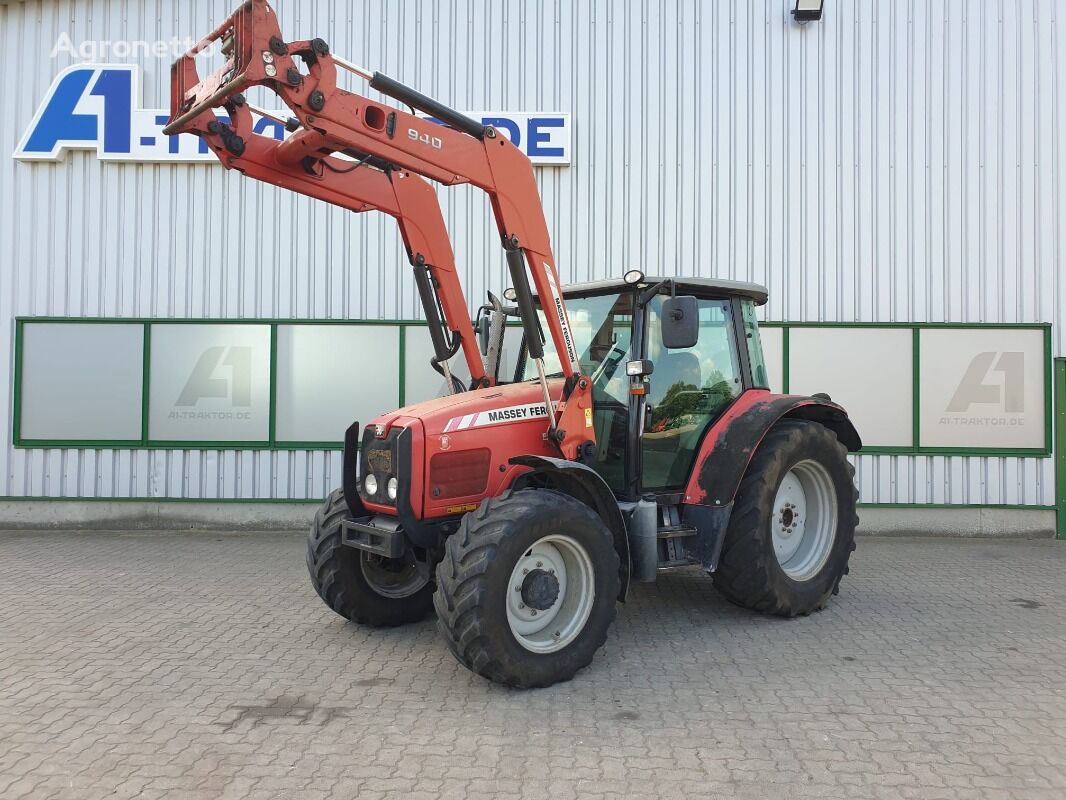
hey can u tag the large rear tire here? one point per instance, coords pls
(360, 586)
(527, 588)
(793, 525)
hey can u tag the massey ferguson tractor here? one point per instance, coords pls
(636, 436)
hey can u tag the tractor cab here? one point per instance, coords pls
(666, 357)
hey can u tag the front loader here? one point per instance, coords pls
(637, 437)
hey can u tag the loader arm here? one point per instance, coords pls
(393, 148)
(359, 188)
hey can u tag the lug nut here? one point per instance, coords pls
(533, 613)
(540, 563)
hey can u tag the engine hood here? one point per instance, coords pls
(480, 410)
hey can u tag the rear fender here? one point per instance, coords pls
(585, 484)
(730, 444)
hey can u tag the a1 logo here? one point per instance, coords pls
(992, 379)
(203, 383)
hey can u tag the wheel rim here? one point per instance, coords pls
(394, 578)
(550, 595)
(804, 522)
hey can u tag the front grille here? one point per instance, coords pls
(459, 474)
(379, 458)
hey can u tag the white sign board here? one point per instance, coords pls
(81, 381)
(982, 388)
(209, 383)
(98, 107)
(869, 371)
(330, 376)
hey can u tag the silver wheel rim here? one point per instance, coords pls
(548, 630)
(804, 522)
(394, 578)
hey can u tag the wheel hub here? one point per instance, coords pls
(788, 520)
(550, 594)
(394, 578)
(540, 589)
(804, 524)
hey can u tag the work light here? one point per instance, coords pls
(637, 369)
(370, 483)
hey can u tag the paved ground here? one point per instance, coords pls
(202, 665)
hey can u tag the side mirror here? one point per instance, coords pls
(680, 323)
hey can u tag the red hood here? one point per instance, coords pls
(436, 414)
(505, 421)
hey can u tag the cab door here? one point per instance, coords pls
(689, 389)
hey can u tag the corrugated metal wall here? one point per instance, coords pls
(899, 161)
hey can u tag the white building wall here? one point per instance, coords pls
(900, 161)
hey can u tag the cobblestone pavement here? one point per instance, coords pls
(202, 665)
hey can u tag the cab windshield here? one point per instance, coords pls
(602, 328)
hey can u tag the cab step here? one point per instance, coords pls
(680, 563)
(676, 531)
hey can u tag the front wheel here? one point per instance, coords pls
(368, 589)
(527, 588)
(792, 530)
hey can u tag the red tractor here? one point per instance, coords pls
(638, 436)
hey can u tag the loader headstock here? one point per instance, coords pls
(192, 97)
(255, 54)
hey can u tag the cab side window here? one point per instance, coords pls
(689, 389)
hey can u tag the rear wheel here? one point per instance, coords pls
(793, 525)
(358, 585)
(527, 588)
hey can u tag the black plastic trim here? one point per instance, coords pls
(362, 534)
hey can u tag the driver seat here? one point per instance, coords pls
(674, 368)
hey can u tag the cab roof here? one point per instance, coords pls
(752, 291)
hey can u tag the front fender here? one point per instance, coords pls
(585, 484)
(731, 442)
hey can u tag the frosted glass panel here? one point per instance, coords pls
(81, 381)
(423, 383)
(866, 370)
(982, 388)
(332, 375)
(209, 383)
(773, 352)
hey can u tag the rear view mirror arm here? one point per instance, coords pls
(648, 294)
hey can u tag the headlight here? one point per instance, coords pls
(370, 484)
(392, 487)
